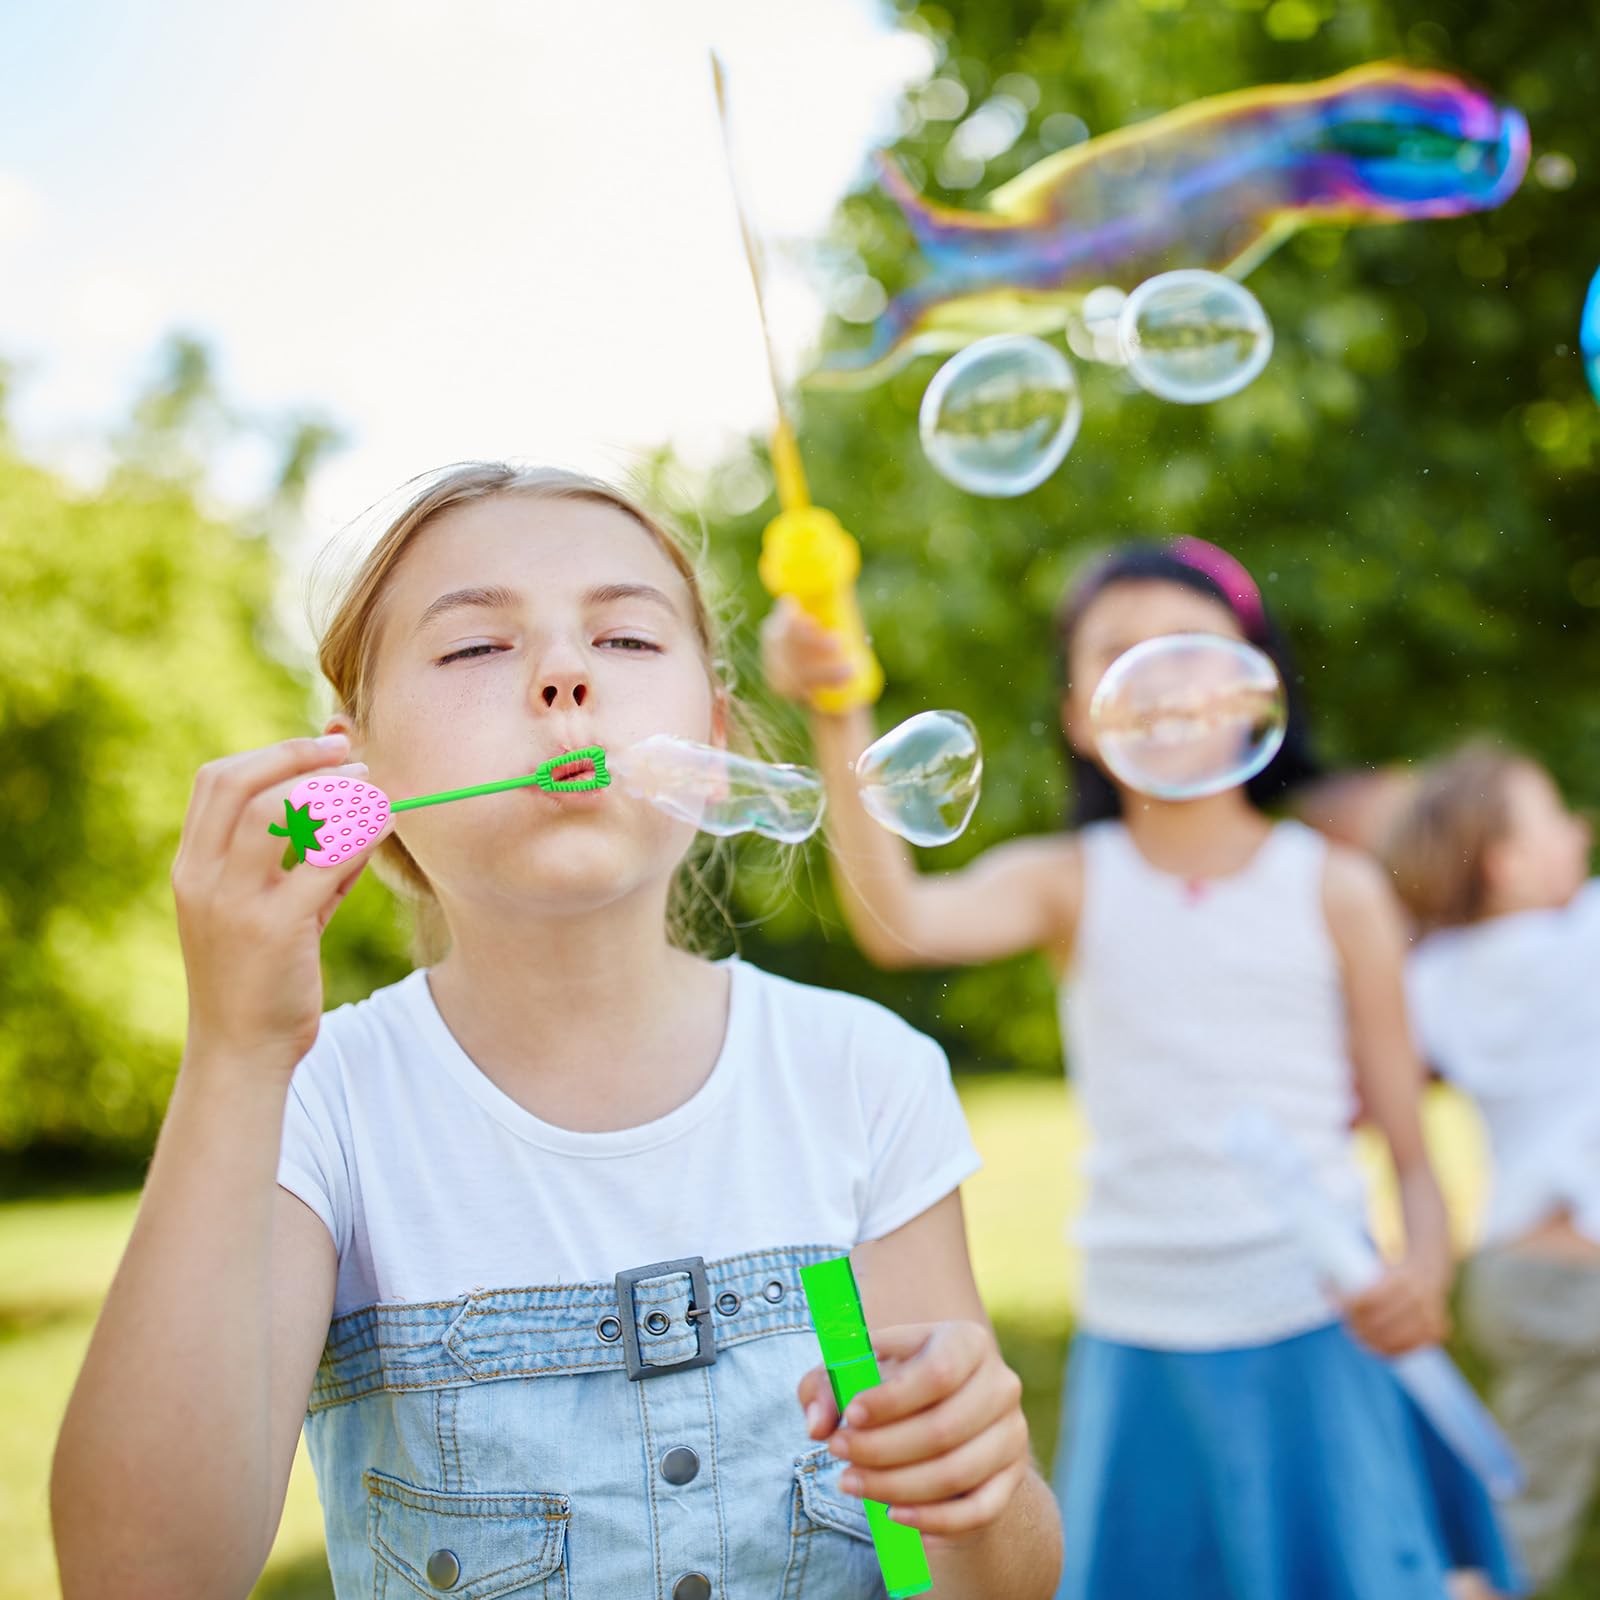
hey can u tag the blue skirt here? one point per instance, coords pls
(1298, 1470)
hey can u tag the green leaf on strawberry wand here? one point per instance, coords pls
(301, 831)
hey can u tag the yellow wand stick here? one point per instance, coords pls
(805, 551)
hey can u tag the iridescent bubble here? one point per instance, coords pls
(1188, 714)
(922, 778)
(1218, 184)
(1589, 335)
(998, 418)
(1193, 336)
(720, 792)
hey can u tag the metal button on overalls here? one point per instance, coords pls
(692, 1586)
(679, 1464)
(444, 1571)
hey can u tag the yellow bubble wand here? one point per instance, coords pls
(805, 551)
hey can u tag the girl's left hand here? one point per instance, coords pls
(1405, 1308)
(941, 1440)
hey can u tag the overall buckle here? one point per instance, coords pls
(698, 1314)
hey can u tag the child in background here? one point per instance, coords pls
(525, 1228)
(1505, 1000)
(1228, 1432)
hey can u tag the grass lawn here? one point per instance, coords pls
(57, 1256)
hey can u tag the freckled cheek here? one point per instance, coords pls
(433, 737)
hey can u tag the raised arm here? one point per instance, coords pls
(174, 1454)
(1019, 896)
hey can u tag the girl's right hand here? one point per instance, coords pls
(1404, 1309)
(252, 932)
(799, 655)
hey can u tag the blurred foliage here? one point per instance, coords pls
(138, 643)
(1415, 479)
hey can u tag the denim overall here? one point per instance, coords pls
(635, 1440)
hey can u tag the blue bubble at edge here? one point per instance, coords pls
(1589, 335)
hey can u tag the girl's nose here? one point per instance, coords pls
(563, 689)
(561, 676)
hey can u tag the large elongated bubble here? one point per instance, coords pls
(1193, 336)
(1217, 184)
(721, 792)
(1188, 714)
(922, 778)
(999, 418)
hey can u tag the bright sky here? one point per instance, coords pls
(460, 227)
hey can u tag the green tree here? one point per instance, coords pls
(1413, 479)
(138, 643)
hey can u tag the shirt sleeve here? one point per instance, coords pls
(917, 1134)
(312, 1163)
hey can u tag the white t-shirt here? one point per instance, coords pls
(1509, 1009)
(1187, 1003)
(825, 1120)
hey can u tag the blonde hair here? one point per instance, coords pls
(347, 654)
(1439, 845)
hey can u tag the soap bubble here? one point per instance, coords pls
(921, 779)
(998, 418)
(1092, 333)
(721, 792)
(1193, 336)
(1188, 714)
(1589, 335)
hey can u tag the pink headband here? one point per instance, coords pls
(1229, 575)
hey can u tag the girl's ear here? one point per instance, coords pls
(340, 723)
(1500, 867)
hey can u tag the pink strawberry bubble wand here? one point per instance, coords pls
(353, 813)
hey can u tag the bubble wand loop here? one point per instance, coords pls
(805, 551)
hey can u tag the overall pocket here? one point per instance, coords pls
(469, 1546)
(831, 1556)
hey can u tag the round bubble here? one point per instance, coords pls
(1188, 714)
(1589, 335)
(1092, 332)
(922, 779)
(1193, 336)
(999, 418)
(721, 792)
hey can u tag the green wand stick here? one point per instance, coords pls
(835, 1302)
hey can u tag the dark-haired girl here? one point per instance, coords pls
(1229, 1431)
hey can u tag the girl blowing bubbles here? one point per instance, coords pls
(529, 1268)
(1228, 1432)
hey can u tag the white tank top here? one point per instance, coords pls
(1187, 1000)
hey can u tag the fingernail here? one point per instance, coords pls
(333, 741)
(813, 1417)
(855, 1415)
(850, 1482)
